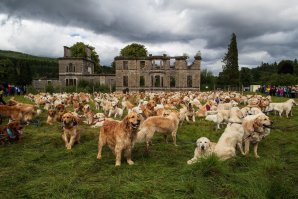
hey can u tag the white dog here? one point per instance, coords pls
(226, 145)
(99, 119)
(204, 148)
(282, 107)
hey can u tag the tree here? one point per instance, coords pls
(8, 72)
(134, 50)
(285, 67)
(246, 76)
(79, 50)
(230, 73)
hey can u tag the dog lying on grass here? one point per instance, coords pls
(204, 148)
(10, 133)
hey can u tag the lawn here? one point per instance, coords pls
(39, 166)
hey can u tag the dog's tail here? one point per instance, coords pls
(141, 136)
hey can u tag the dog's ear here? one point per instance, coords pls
(248, 126)
(126, 122)
(257, 122)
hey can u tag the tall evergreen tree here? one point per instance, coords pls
(230, 73)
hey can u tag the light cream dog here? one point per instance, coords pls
(282, 107)
(204, 148)
(256, 127)
(226, 145)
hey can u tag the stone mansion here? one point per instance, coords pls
(151, 73)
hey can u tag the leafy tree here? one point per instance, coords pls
(8, 72)
(230, 73)
(246, 76)
(286, 67)
(134, 50)
(79, 50)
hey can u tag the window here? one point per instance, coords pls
(49, 82)
(125, 81)
(70, 68)
(172, 82)
(157, 81)
(125, 65)
(156, 64)
(189, 81)
(142, 64)
(172, 63)
(142, 81)
(70, 82)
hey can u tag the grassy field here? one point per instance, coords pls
(39, 166)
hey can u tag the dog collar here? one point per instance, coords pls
(10, 133)
(74, 123)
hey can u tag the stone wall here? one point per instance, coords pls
(157, 72)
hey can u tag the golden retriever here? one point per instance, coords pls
(204, 148)
(119, 135)
(12, 112)
(255, 128)
(282, 107)
(226, 145)
(165, 125)
(10, 132)
(52, 117)
(70, 134)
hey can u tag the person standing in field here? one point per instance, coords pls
(1, 95)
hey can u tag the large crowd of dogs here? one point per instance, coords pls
(142, 115)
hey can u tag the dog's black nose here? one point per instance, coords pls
(202, 147)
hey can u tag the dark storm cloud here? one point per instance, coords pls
(162, 21)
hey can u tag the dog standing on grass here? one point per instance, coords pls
(120, 136)
(70, 134)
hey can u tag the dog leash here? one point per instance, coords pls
(283, 128)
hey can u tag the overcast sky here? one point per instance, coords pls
(266, 30)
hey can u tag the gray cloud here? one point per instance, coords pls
(266, 30)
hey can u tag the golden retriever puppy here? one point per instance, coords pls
(226, 145)
(52, 117)
(70, 134)
(204, 148)
(256, 128)
(120, 136)
(164, 125)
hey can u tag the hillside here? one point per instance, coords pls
(20, 64)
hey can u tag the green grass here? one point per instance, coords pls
(39, 166)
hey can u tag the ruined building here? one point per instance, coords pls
(152, 73)
(73, 69)
(157, 73)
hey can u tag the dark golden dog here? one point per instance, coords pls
(119, 135)
(52, 115)
(11, 132)
(70, 134)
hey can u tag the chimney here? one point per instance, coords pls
(67, 52)
(88, 52)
